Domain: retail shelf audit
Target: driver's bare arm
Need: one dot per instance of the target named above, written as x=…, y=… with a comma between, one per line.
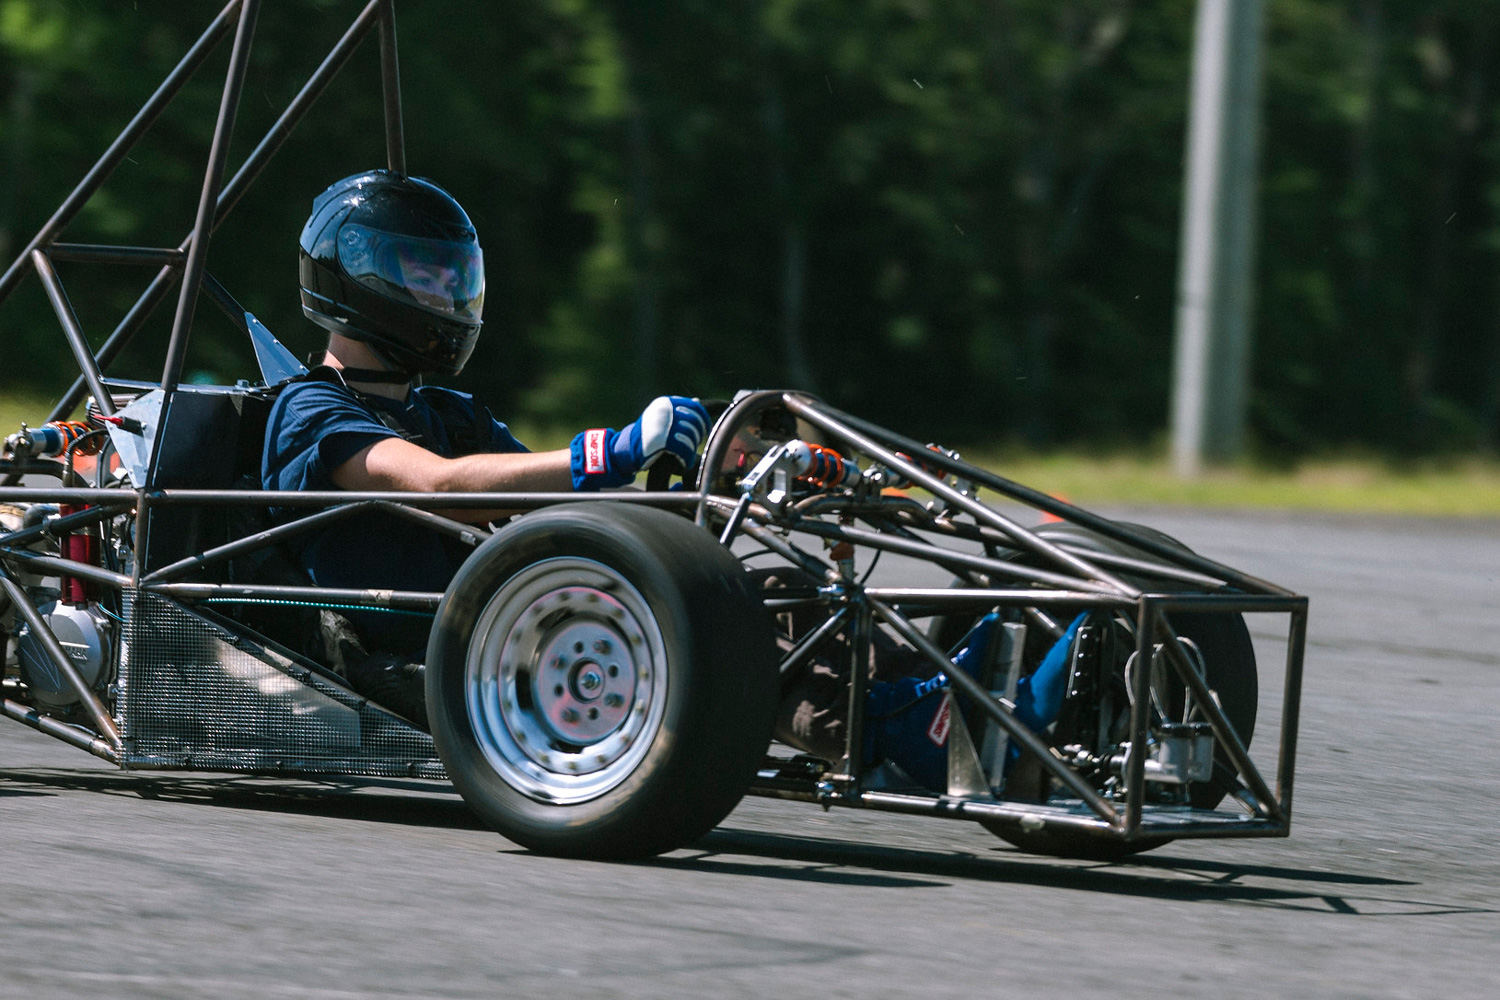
x=396, y=464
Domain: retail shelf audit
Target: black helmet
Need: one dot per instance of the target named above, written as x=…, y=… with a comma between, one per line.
x=394, y=262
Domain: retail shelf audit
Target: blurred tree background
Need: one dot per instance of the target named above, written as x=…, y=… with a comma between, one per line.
x=957, y=216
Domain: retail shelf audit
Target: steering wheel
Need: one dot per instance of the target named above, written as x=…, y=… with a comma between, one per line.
x=659, y=476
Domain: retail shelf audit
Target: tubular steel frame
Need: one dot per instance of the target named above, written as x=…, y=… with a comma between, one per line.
x=1057, y=574
x=1076, y=578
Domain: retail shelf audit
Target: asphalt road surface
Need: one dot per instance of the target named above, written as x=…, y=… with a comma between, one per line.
x=169, y=885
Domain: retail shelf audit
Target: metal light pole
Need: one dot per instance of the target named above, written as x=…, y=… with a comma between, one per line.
x=1214, y=291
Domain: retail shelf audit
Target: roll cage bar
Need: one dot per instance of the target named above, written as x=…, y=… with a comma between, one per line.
x=1057, y=574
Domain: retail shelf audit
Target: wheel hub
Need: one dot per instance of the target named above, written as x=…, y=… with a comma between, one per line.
x=585, y=683
x=566, y=679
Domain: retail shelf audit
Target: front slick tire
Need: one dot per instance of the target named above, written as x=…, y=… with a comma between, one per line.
x=601, y=681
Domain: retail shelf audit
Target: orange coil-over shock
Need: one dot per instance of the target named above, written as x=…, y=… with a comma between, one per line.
x=821, y=466
x=59, y=436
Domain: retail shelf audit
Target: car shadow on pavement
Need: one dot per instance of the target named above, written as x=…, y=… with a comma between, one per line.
x=828, y=873
x=380, y=800
x=780, y=856
x=1163, y=878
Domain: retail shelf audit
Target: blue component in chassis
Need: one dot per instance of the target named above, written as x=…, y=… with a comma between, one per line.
x=1039, y=695
x=909, y=720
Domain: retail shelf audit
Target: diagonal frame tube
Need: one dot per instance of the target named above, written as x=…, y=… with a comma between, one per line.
x=1206, y=703
x=73, y=331
x=123, y=143
x=1002, y=714
x=208, y=200
x=59, y=657
x=469, y=534
x=1141, y=567
x=1026, y=539
x=390, y=86
x=1061, y=509
x=259, y=540
x=271, y=536
x=256, y=162
x=71, y=735
x=812, y=640
x=67, y=567
x=949, y=557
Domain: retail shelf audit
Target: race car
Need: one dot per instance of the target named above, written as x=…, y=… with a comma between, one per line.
x=604, y=673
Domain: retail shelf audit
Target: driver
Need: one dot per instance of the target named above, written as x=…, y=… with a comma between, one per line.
x=391, y=267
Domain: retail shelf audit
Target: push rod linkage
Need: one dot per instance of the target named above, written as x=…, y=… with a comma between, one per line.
x=736, y=516
x=807, y=563
x=60, y=659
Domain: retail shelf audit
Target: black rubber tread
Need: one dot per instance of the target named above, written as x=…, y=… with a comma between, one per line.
x=721, y=691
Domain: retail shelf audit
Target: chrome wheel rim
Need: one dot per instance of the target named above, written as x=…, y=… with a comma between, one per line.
x=565, y=681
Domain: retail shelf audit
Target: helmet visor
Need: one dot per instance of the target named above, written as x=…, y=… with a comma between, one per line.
x=442, y=276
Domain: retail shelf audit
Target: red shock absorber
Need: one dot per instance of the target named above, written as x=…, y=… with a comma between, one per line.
x=83, y=547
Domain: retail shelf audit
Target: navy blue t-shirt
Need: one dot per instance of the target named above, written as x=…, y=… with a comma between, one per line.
x=315, y=427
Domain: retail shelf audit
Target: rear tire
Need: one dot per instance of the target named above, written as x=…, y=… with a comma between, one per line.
x=601, y=681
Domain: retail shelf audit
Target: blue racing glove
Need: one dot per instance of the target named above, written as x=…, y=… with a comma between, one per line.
x=604, y=458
